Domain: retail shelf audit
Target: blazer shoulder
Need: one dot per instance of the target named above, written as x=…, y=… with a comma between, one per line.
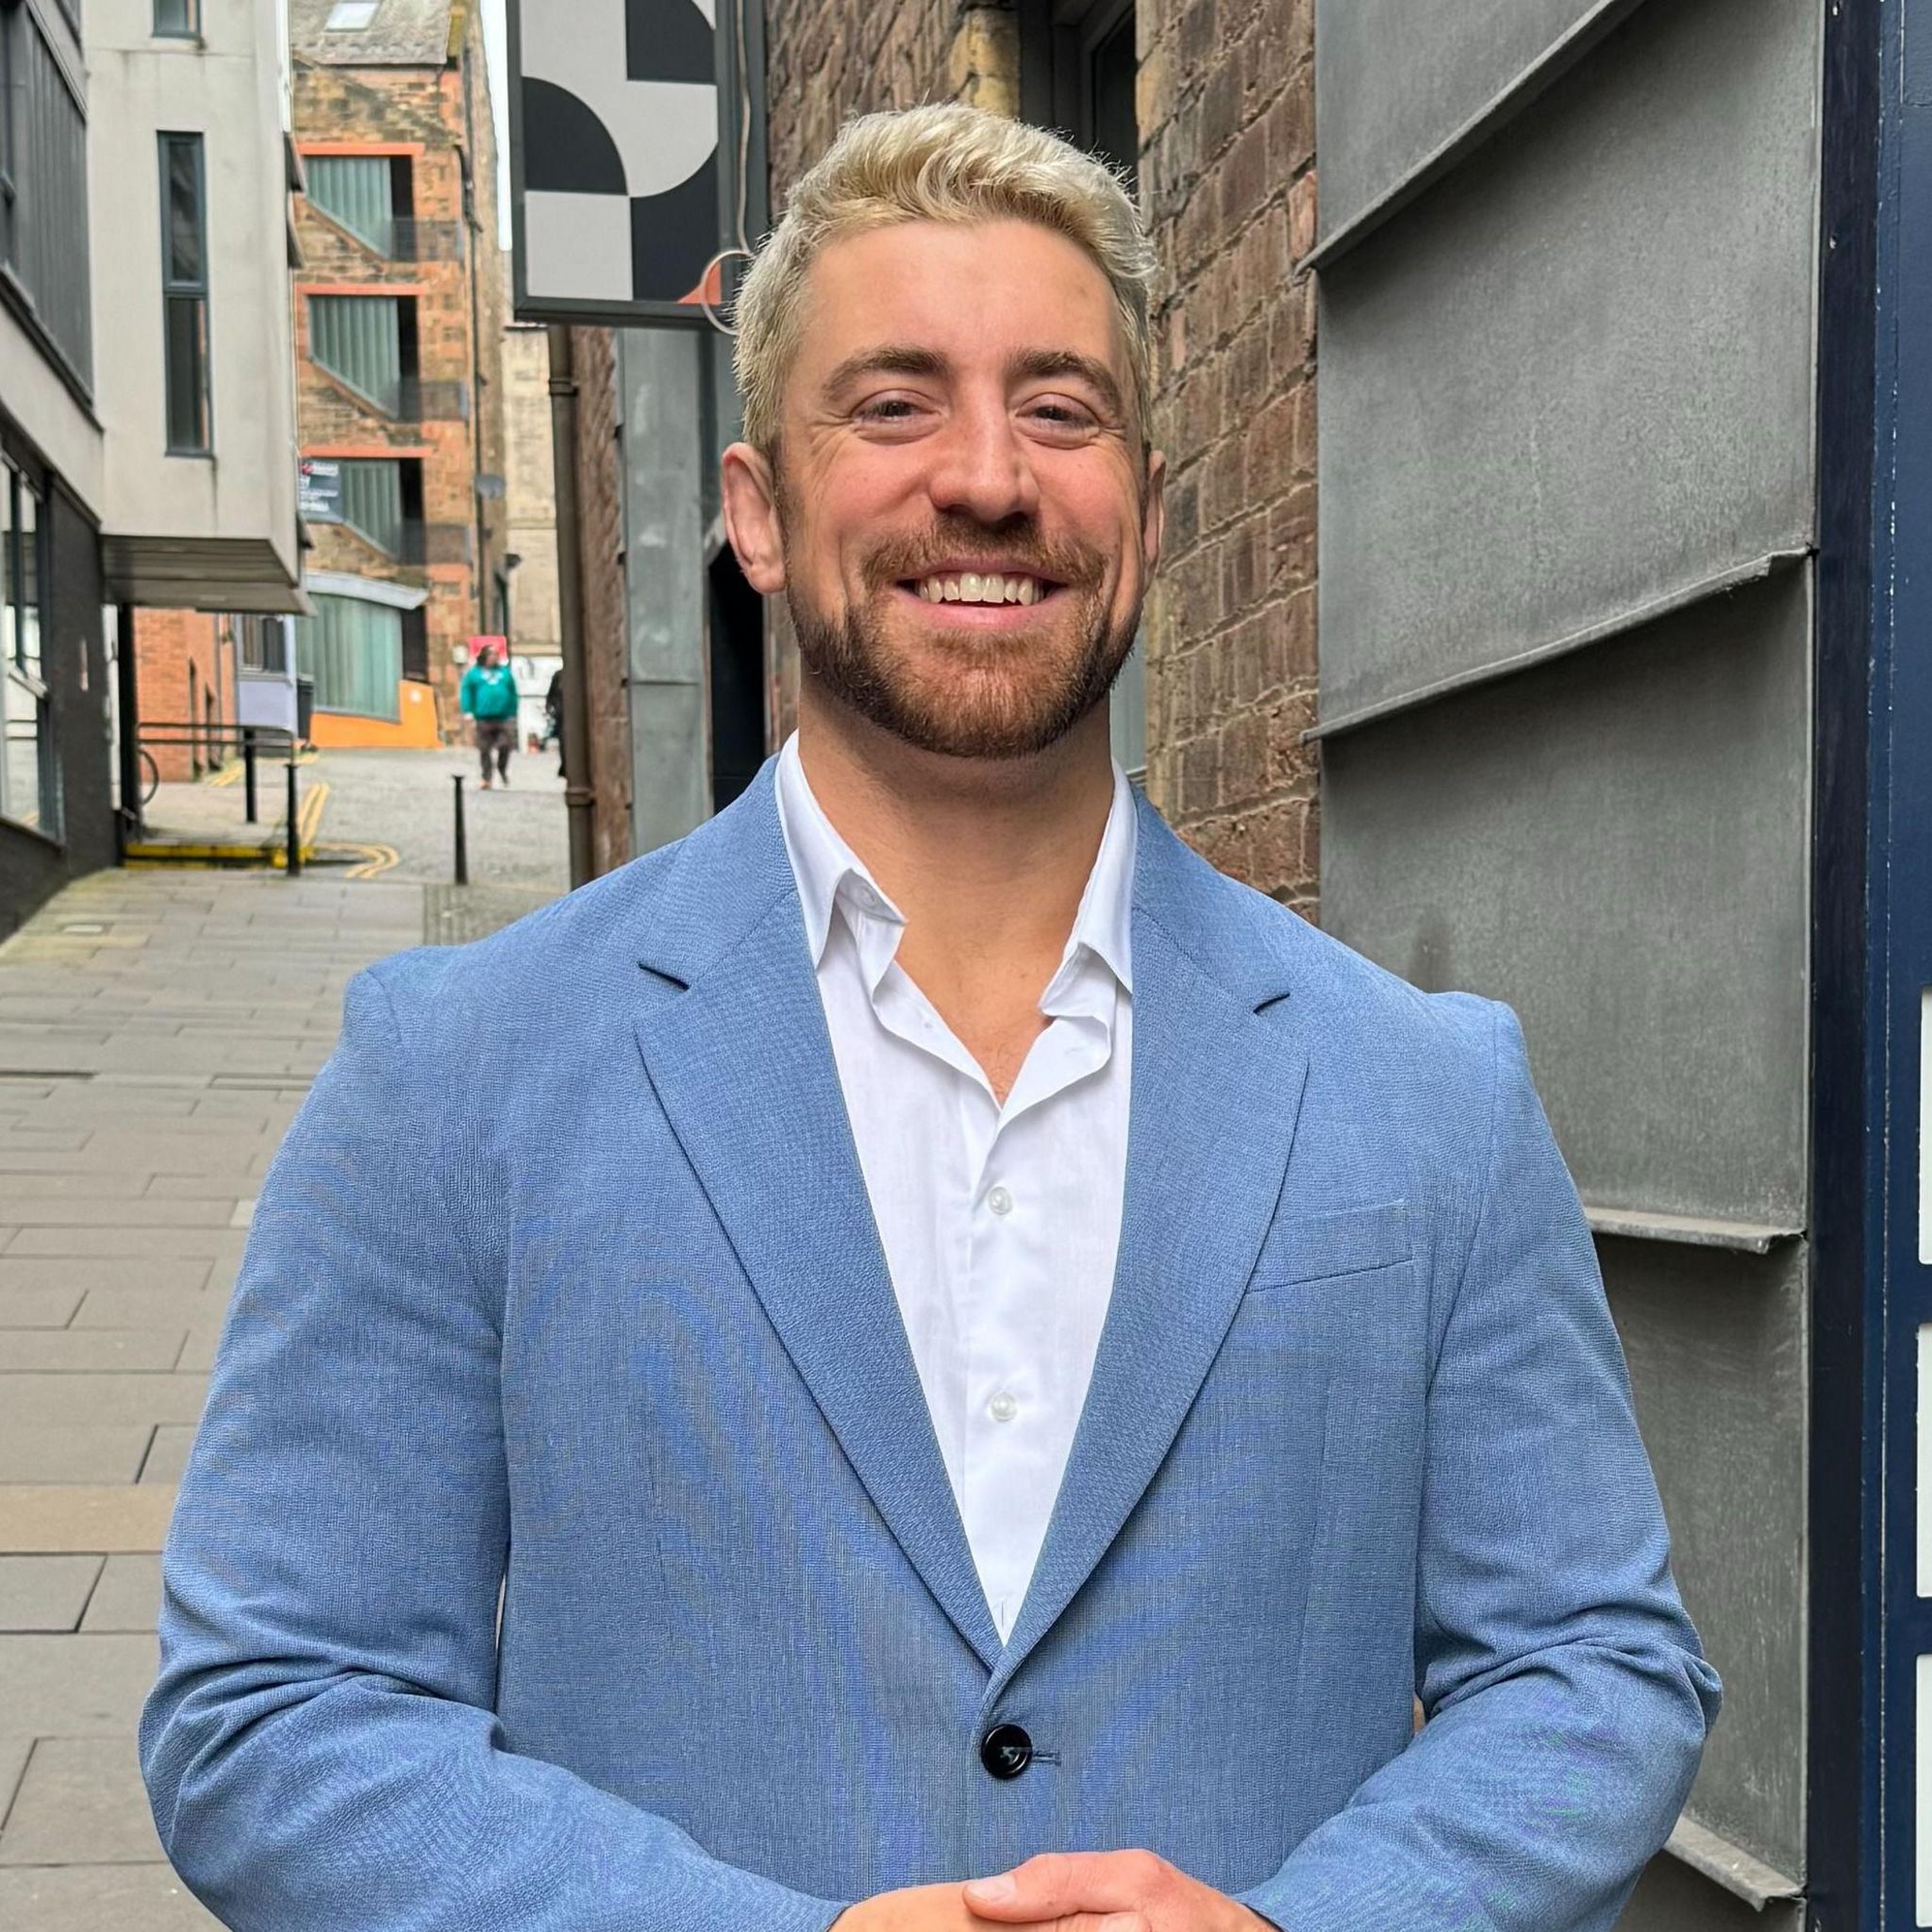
x=1425, y=1063
x=543, y=964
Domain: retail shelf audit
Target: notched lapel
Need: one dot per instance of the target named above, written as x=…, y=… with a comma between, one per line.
x=741, y=1062
x=1215, y=1092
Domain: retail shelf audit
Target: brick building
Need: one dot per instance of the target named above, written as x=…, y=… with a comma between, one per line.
x=399, y=324
x=1211, y=104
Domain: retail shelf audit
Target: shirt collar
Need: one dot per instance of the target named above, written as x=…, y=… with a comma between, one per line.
x=823, y=863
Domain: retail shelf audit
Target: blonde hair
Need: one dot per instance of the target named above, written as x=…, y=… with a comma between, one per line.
x=945, y=163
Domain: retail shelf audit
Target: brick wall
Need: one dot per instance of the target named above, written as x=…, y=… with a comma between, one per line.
x=435, y=117
x=183, y=672
x=1226, y=116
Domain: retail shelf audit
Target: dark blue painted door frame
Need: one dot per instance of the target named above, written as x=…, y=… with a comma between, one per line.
x=1900, y=895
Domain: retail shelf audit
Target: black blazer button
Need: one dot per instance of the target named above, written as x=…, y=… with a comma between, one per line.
x=1006, y=1751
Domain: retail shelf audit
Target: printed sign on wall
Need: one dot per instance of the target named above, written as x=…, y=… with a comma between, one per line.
x=614, y=109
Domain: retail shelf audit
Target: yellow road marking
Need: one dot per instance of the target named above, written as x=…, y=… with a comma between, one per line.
x=381, y=859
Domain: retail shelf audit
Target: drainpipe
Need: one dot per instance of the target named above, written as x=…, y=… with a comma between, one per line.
x=579, y=795
x=127, y=820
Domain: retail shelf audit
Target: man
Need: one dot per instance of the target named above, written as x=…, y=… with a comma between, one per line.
x=988, y=1363
x=488, y=694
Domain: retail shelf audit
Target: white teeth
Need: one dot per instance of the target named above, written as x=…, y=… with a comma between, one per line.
x=980, y=587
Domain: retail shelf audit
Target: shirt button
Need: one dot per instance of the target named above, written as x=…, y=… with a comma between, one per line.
x=1003, y=1408
x=1000, y=1201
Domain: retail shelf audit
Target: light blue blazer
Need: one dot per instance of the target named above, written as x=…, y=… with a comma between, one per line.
x=567, y=1547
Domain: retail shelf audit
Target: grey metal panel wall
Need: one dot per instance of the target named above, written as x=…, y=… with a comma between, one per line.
x=661, y=378
x=1382, y=118
x=1574, y=379
x=1716, y=1348
x=1566, y=394
x=1615, y=843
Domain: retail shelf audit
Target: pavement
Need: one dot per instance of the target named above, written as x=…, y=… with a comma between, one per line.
x=390, y=812
x=157, y=1030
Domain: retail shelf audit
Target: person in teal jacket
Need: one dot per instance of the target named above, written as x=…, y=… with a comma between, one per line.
x=488, y=694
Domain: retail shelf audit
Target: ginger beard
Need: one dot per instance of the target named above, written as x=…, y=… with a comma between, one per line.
x=968, y=694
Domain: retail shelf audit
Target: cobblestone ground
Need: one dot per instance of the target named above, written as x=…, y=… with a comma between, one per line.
x=157, y=1030
x=404, y=799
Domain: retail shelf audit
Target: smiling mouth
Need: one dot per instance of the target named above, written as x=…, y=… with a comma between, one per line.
x=979, y=587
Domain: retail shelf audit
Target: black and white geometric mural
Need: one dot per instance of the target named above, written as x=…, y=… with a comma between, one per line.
x=614, y=164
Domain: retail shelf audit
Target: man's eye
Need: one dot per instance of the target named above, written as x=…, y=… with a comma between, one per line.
x=887, y=409
x=1061, y=415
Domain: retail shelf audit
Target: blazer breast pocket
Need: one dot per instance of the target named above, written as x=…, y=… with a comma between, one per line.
x=1345, y=1241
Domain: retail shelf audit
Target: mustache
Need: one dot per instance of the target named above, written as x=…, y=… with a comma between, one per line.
x=1075, y=565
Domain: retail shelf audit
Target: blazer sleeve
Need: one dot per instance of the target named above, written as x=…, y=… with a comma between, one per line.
x=1566, y=1695
x=320, y=1747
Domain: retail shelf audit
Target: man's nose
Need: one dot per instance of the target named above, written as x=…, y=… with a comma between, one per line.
x=983, y=468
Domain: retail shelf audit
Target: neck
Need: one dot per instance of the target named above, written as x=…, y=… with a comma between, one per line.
x=986, y=858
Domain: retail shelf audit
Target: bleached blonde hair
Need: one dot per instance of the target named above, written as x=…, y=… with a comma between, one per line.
x=944, y=163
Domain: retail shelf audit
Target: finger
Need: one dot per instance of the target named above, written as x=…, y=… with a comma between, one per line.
x=1060, y=1885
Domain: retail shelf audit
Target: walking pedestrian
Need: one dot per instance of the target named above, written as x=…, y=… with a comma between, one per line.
x=553, y=716
x=488, y=694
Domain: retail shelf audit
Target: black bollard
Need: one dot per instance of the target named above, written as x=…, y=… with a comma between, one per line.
x=250, y=809
x=462, y=839
x=294, y=829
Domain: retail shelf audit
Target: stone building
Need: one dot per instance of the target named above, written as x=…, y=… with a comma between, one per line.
x=399, y=322
x=1210, y=106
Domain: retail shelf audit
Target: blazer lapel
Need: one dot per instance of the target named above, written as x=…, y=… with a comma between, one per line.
x=1215, y=1090
x=734, y=1037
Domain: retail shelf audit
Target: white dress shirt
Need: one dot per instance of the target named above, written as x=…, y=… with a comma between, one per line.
x=1000, y=1222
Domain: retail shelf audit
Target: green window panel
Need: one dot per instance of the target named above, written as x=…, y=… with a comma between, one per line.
x=358, y=339
x=358, y=191
x=354, y=652
x=373, y=502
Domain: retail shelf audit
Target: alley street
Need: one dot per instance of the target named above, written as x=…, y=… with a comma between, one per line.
x=404, y=799
x=158, y=1031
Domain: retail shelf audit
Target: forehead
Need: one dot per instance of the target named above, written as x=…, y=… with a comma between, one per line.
x=975, y=293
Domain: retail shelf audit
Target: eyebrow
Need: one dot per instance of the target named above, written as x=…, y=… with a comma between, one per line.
x=894, y=359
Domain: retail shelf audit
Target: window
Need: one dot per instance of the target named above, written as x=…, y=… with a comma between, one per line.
x=367, y=342
x=27, y=765
x=184, y=298
x=371, y=195
x=351, y=16
x=354, y=652
x=416, y=646
x=178, y=20
x=373, y=503
x=264, y=644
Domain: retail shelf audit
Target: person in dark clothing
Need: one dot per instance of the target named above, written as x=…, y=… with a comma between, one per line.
x=553, y=716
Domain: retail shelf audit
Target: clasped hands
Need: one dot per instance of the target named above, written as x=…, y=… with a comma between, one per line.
x=1061, y=1891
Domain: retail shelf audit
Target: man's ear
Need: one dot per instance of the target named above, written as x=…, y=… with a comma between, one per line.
x=751, y=518
x=1153, y=511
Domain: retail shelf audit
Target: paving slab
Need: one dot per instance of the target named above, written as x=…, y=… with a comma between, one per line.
x=42, y=1593
x=127, y=1597
x=39, y=1453
x=73, y=1351
x=56, y=1274
x=77, y=1687
x=102, y=1400
x=133, y=1243
x=167, y=1455
x=38, y=1307
x=100, y=1898
x=80, y=1802
x=56, y=1518
x=171, y=1311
